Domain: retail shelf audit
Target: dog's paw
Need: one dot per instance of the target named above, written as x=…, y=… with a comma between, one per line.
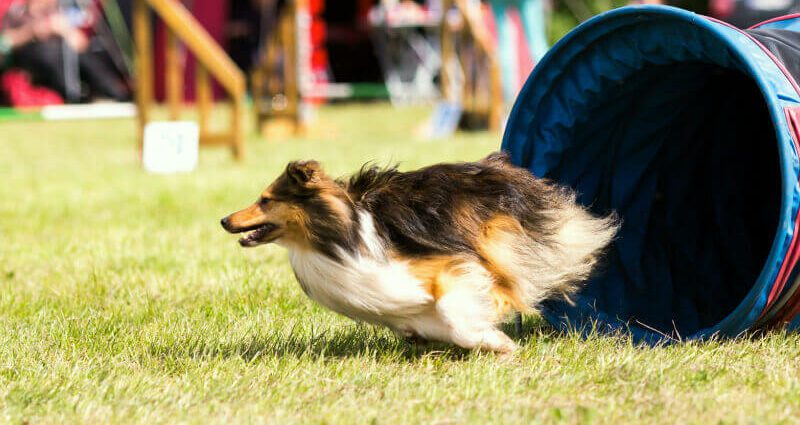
x=499, y=343
x=507, y=349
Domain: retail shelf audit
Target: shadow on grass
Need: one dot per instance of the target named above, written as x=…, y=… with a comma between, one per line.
x=353, y=341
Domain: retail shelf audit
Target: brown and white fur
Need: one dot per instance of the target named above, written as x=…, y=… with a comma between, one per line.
x=443, y=253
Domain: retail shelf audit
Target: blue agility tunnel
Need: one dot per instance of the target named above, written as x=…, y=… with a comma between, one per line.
x=687, y=127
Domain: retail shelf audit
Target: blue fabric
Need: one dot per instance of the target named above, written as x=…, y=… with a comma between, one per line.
x=676, y=122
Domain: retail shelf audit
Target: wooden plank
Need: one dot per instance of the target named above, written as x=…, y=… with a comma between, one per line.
x=496, y=102
x=257, y=91
x=274, y=50
x=142, y=29
x=485, y=58
x=201, y=44
x=262, y=81
x=237, y=115
x=277, y=71
x=203, y=98
x=485, y=45
x=290, y=70
x=216, y=139
x=476, y=27
x=174, y=76
x=448, y=53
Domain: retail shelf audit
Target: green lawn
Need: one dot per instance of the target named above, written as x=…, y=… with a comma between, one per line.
x=122, y=300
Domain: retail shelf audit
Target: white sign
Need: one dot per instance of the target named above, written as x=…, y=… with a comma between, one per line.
x=170, y=147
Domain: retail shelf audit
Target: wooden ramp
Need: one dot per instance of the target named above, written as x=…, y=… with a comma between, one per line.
x=212, y=61
x=275, y=86
x=470, y=74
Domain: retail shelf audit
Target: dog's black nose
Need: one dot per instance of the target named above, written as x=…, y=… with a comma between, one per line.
x=225, y=223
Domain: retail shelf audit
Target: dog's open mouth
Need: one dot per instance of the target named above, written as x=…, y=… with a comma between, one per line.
x=259, y=235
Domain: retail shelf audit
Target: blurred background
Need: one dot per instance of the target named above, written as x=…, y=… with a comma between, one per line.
x=466, y=59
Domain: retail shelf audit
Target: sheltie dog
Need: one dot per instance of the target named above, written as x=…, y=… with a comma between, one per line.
x=444, y=253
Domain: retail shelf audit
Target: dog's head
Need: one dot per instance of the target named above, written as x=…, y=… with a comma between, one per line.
x=299, y=205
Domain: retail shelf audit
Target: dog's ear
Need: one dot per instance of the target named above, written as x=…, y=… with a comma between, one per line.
x=304, y=173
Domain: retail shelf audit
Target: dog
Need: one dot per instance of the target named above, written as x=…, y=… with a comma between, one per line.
x=445, y=253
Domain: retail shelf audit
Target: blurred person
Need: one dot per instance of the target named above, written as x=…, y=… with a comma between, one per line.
x=38, y=37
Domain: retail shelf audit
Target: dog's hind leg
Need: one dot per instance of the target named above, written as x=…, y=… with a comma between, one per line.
x=467, y=306
x=469, y=318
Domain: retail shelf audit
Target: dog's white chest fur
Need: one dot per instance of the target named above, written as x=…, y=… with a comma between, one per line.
x=367, y=286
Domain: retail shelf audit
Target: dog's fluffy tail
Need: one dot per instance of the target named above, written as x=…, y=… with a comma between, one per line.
x=536, y=266
x=573, y=254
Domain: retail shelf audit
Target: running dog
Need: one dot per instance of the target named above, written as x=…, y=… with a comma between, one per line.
x=444, y=253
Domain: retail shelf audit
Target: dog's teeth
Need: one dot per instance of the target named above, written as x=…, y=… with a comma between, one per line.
x=253, y=238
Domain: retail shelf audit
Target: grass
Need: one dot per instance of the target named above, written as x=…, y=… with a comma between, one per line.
x=122, y=301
